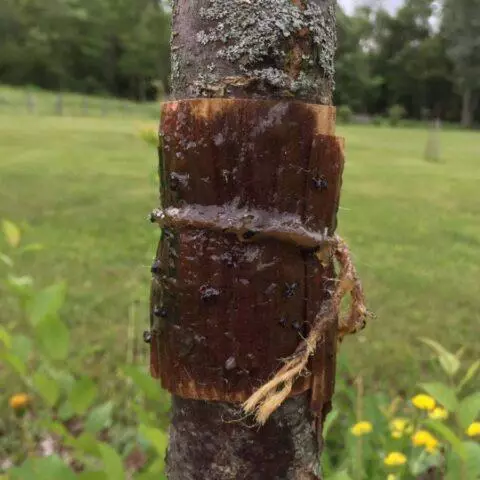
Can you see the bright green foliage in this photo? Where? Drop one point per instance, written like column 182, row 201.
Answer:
column 397, row 425
column 112, row 462
column 11, row 232
column 56, row 393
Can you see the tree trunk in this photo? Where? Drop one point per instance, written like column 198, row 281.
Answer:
column 269, row 50
column 467, row 108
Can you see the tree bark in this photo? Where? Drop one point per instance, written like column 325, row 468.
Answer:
column 262, row 49
column 467, row 108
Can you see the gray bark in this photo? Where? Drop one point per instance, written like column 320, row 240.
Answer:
column 469, row 105
column 257, row 49
column 467, row 108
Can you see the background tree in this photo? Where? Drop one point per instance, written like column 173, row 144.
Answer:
column 118, row 47
column 356, row 84
column 461, row 27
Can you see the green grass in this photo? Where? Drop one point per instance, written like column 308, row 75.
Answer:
column 413, row 227
column 83, row 188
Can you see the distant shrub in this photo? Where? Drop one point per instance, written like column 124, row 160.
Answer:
column 378, row 120
column 344, row 114
column 395, row 114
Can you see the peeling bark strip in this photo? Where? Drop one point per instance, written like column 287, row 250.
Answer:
column 270, row 49
column 234, row 309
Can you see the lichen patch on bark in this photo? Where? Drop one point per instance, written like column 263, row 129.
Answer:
column 285, row 47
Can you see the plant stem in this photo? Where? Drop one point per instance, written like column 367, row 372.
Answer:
column 359, row 408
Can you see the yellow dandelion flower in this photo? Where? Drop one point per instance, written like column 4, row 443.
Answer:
column 423, row 402
column 431, row 449
column 19, row 401
column 422, row 438
column 398, row 427
column 398, row 424
column 361, row 428
column 474, row 429
column 391, row 476
column 395, row 459
column 438, row 413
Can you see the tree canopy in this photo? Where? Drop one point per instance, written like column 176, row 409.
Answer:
column 425, row 57
column 119, row 47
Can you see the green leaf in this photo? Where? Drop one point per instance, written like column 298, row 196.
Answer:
column 158, row 466
column 471, row 372
column 58, row 429
column 447, row 434
column 468, row 410
column 459, row 353
column 11, row 233
column 448, row 361
column 329, row 421
column 53, row 337
column 147, row 476
column 46, row 387
column 155, row 471
column 46, row 303
column 82, row 395
column 99, row 418
column 21, row 347
column 64, row 379
column 142, row 380
column 19, row 284
column 26, row 471
column 467, row 468
column 443, row 394
column 156, row 437
column 53, row 467
column 112, row 462
column 92, row 476
column 6, row 260
column 425, row 461
column 343, row 475
column 5, row 338
column 65, row 412
column 85, row 443
column 45, row 468
column 33, row 247
column 16, row 363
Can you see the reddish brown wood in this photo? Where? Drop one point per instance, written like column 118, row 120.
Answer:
column 228, row 311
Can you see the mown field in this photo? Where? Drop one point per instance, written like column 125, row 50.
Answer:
column 83, row 187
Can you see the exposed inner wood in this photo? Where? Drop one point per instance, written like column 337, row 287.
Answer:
column 230, row 311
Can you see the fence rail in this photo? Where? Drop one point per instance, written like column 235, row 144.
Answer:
column 18, row 101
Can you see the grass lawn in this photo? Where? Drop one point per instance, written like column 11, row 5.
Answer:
column 83, row 187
